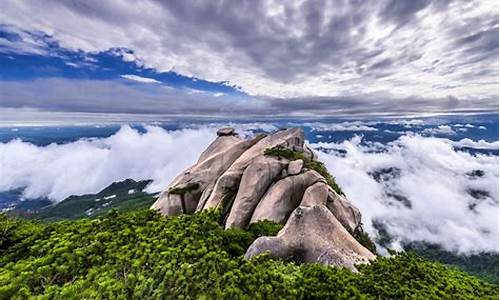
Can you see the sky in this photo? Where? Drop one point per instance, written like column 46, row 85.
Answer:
column 235, row 59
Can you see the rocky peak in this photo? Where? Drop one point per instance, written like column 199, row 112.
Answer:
column 272, row 177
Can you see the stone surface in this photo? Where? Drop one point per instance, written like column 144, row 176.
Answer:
column 199, row 175
column 315, row 194
column 227, row 184
column 295, row 167
column 219, row 145
column 283, row 197
column 235, row 175
column 347, row 214
column 313, row 235
column 255, row 181
column 226, row 131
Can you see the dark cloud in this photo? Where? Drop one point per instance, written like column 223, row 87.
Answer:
column 91, row 96
column 412, row 52
column 403, row 11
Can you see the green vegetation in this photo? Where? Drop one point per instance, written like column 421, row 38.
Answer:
column 482, row 265
column 312, row 164
column 363, row 238
column 115, row 196
column 180, row 191
column 142, row 255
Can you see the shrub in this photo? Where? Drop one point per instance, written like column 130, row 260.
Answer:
column 142, row 255
column 280, row 151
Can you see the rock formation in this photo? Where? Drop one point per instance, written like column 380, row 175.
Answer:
column 271, row 177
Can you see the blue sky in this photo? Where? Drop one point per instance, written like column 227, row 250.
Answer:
column 111, row 64
column 249, row 59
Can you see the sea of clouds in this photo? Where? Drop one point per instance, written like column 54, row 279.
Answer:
column 424, row 190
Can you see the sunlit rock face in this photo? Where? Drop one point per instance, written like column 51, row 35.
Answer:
column 251, row 184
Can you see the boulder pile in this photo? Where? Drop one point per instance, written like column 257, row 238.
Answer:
column 271, row 177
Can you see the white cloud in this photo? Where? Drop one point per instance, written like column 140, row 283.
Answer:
column 343, row 126
column 139, row 78
column 276, row 49
column 89, row 165
column 441, row 130
column 481, row 144
column 433, row 177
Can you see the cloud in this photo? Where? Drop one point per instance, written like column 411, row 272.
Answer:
column 439, row 130
column 343, row 126
column 420, row 188
column 480, row 144
column 306, row 52
column 136, row 97
column 88, row 165
column 140, row 79
column 118, row 97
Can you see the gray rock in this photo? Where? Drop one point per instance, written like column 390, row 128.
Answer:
column 189, row 185
column 313, row 235
column 309, row 153
column 315, row 194
column 295, row 167
column 236, row 175
column 226, row 131
column 255, row 181
column 283, row 197
column 219, row 145
column 227, row 185
column 347, row 214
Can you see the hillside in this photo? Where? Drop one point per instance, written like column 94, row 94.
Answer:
column 125, row 195
column 142, row 255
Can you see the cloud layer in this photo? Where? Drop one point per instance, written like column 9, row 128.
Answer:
column 89, row 165
column 295, row 56
column 419, row 187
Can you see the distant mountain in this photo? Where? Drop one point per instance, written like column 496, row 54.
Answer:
column 124, row 196
column 483, row 265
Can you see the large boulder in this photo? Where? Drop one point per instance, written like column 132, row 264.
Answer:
column 183, row 194
column 313, row 235
column 284, row 196
column 347, row 214
column 295, row 167
column 316, row 194
column 222, row 143
column 249, row 185
column 226, row 186
column 255, row 181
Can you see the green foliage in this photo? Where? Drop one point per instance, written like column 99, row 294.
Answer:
column 142, row 255
column 312, row 164
column 188, row 188
column 482, row 265
column 281, row 151
column 363, row 238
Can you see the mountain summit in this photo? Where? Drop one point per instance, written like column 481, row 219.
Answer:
column 273, row 177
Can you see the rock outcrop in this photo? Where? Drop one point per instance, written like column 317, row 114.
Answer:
column 313, row 235
column 271, row 177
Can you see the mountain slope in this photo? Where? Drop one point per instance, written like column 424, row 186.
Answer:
column 142, row 255
column 124, row 196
